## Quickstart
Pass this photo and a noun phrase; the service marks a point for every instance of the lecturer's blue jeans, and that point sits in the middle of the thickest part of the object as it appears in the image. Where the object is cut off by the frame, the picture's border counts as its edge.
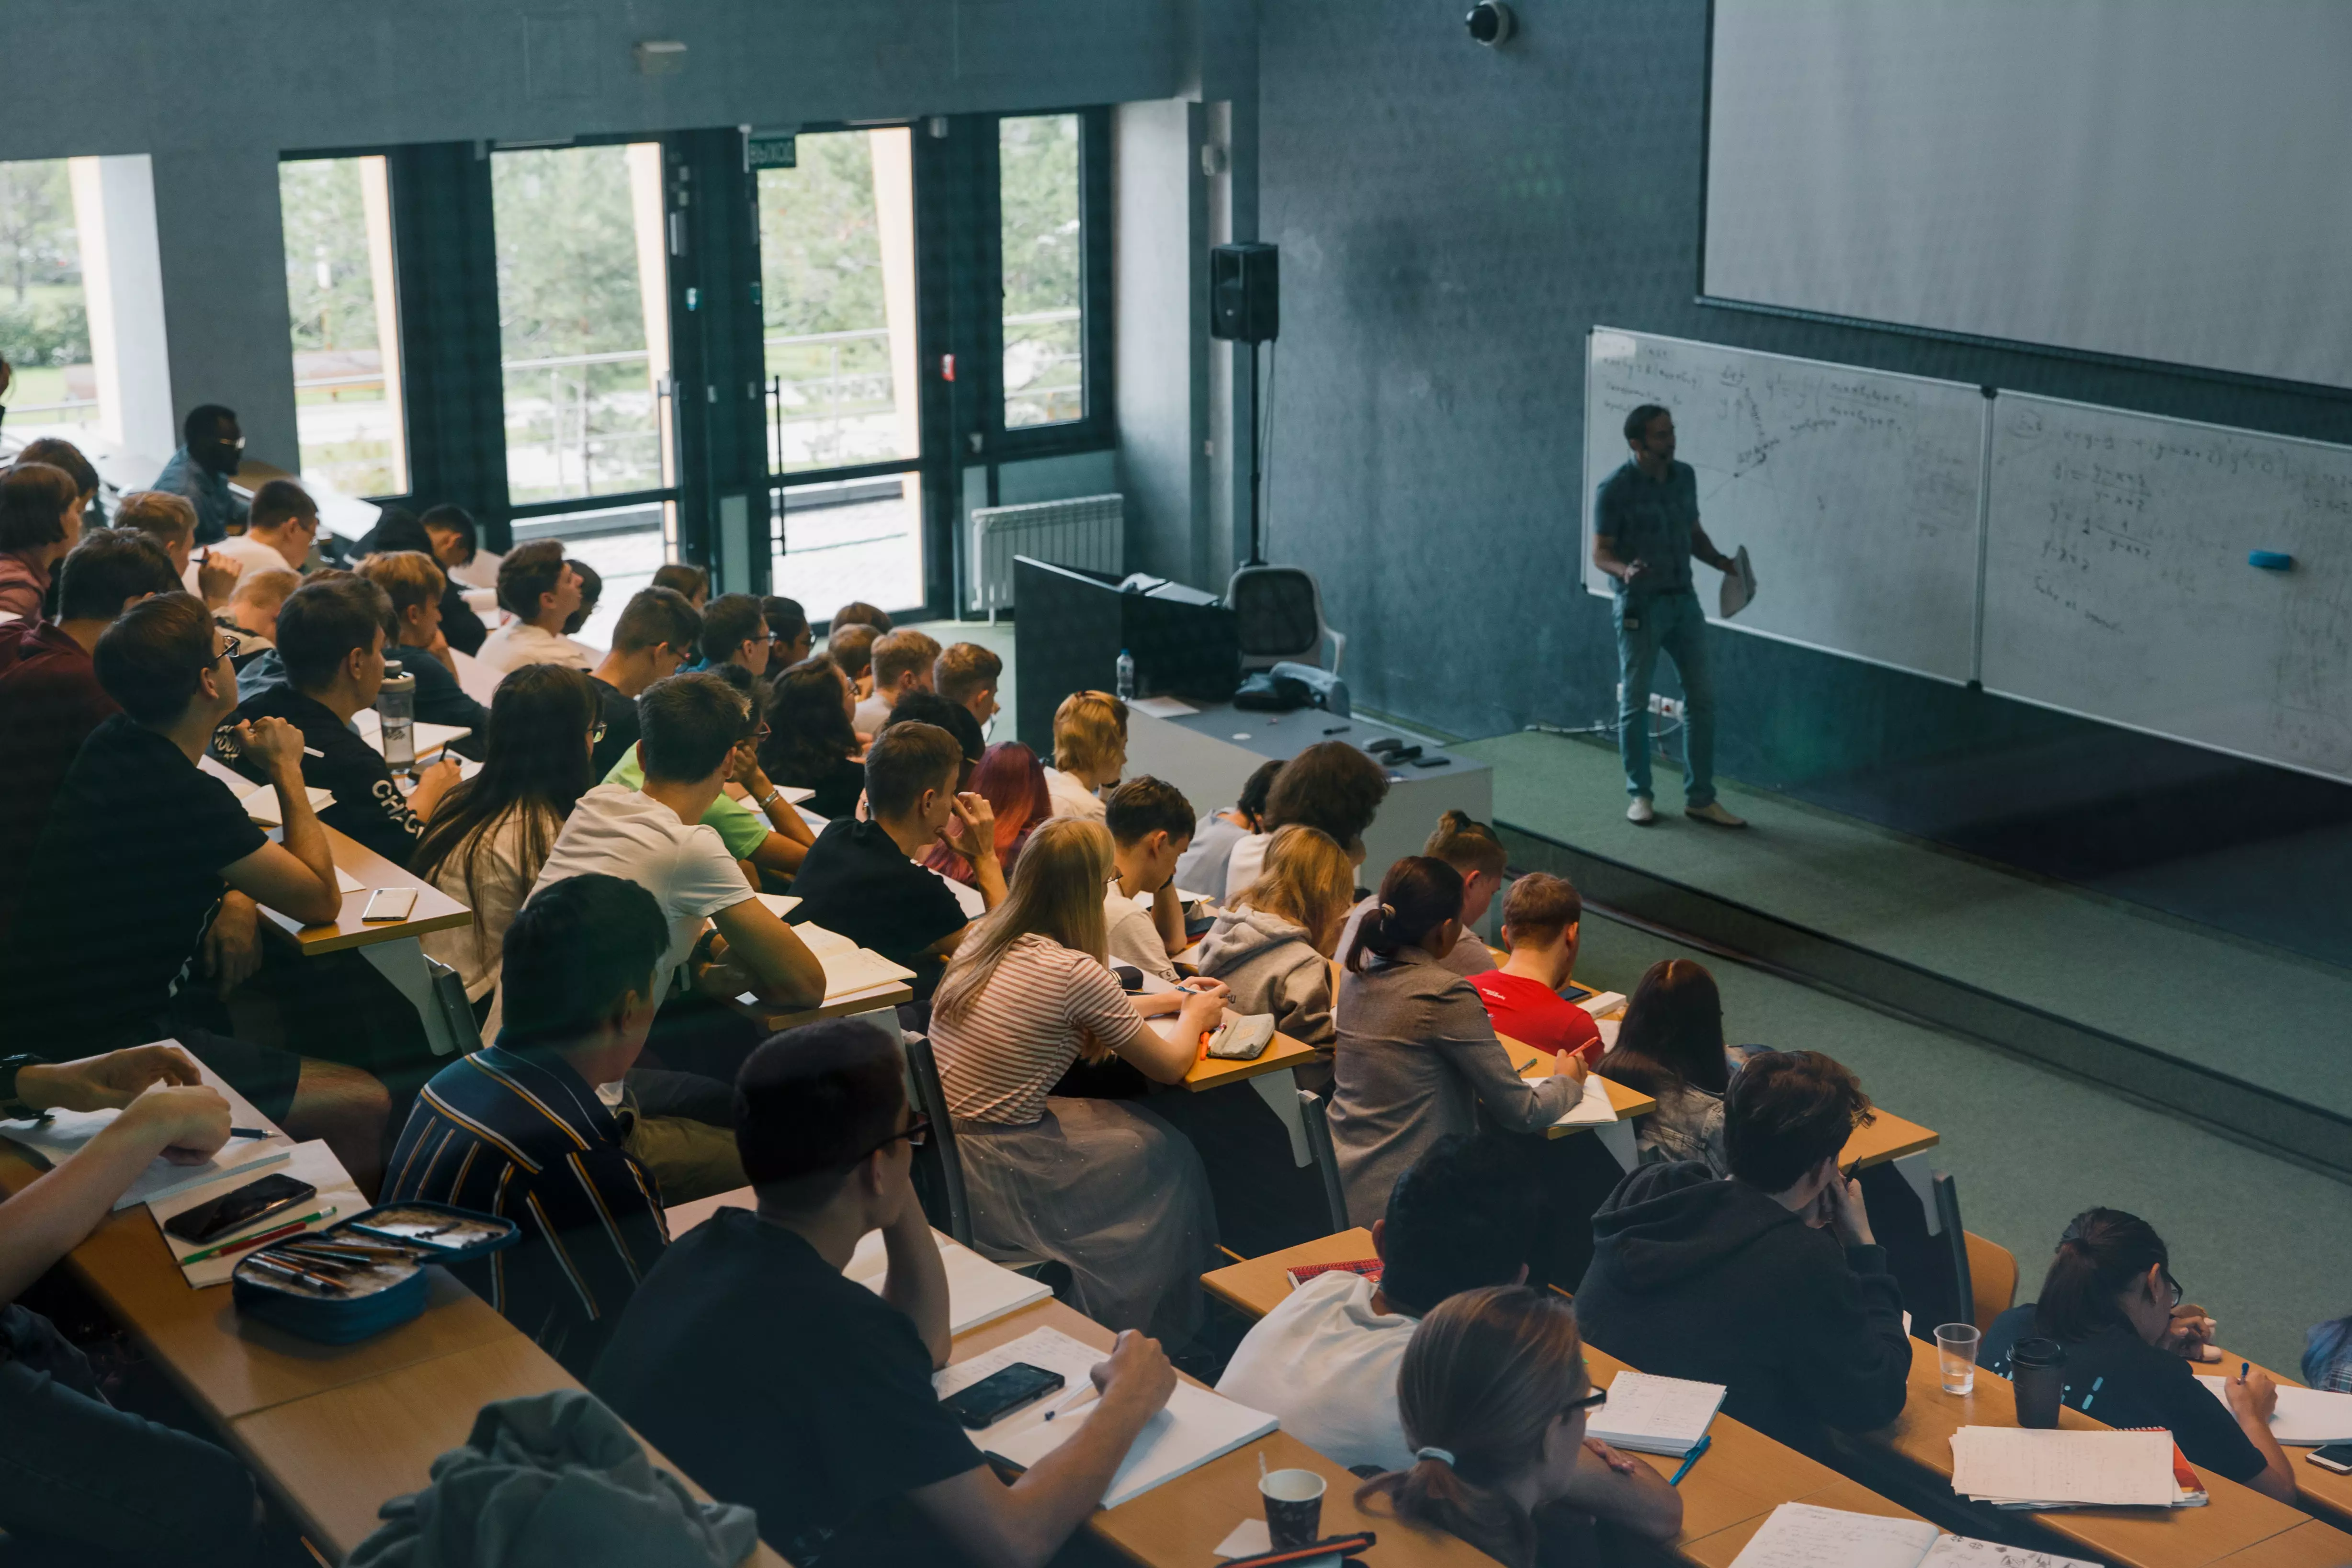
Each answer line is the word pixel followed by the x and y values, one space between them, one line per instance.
pixel 1673 624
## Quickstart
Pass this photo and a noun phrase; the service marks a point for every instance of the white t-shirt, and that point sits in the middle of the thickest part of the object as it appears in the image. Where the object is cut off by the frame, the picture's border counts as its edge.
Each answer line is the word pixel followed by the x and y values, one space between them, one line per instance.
pixel 871 715
pixel 1134 936
pixel 1325 1364
pixel 519 642
pixel 501 880
pixel 243 549
pixel 1248 859
pixel 685 866
pixel 1070 797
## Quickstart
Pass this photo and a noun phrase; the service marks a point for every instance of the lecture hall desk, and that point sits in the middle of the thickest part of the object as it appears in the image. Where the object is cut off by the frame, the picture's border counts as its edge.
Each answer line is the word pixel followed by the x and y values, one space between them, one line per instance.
pixel 2322 1493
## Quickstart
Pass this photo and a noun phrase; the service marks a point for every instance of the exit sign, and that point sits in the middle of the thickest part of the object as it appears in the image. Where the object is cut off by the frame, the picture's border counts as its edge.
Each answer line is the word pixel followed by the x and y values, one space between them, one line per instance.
pixel 775 152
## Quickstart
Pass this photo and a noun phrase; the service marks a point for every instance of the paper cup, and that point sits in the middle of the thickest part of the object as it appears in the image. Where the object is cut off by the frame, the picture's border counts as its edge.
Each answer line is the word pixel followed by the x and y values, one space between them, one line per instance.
pixel 1293 1507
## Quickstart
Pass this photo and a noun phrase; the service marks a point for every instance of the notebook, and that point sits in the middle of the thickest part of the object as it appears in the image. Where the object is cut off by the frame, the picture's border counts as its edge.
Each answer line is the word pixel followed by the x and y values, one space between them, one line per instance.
pixel 779 904
pixel 1370 1267
pixel 1196 1425
pixel 2022 1467
pixel 60 1135
pixel 849 970
pixel 261 804
pixel 978 1292
pixel 1798 1535
pixel 1593 1110
pixel 1656 1414
pixel 2305 1417
pixel 312 1162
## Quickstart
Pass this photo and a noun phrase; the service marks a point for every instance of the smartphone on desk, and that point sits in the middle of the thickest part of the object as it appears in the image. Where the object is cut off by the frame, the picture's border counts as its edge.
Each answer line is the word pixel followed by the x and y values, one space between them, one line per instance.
pixel 1000 1394
pixel 234 1210
pixel 2337 1457
pixel 390 903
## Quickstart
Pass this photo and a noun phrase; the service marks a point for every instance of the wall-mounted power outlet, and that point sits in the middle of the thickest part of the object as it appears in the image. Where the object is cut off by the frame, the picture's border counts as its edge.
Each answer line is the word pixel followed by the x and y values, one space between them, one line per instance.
pixel 1665 708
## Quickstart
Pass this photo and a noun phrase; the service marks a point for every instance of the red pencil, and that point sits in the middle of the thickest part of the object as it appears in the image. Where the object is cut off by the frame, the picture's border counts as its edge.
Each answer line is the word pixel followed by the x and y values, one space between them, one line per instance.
pixel 227 1247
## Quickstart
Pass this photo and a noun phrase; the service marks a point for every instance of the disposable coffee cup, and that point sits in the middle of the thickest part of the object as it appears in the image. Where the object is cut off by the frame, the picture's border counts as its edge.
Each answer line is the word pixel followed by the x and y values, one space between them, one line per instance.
pixel 1293 1507
pixel 2038 1372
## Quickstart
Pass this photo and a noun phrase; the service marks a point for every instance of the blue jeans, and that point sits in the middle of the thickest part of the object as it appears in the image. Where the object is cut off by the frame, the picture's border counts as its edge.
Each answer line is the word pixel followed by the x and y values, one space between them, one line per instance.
pixel 1672 623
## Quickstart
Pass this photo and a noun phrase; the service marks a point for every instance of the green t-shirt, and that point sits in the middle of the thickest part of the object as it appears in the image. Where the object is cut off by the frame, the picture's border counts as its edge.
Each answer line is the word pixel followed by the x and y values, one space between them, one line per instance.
pixel 743 829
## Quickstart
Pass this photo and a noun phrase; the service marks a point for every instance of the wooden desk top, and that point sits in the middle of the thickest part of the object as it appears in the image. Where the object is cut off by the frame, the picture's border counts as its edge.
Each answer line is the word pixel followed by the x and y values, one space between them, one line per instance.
pixel 2323 1493
pixel 1177 1524
pixel 2312 1546
pixel 1258 1285
pixel 1535 1066
pixel 1214 1073
pixel 436 910
pixel 2235 1520
pixel 775 1021
pixel 1888 1137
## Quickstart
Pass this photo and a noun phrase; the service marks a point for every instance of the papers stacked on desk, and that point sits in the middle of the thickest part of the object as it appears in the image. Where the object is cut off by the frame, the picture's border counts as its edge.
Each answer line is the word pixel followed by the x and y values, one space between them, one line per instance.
pixel 1196 1426
pixel 2023 1468
pixel 978 1292
pixel 1798 1535
pixel 849 970
pixel 312 1162
pixel 60 1135
pixel 1649 1415
pixel 2305 1417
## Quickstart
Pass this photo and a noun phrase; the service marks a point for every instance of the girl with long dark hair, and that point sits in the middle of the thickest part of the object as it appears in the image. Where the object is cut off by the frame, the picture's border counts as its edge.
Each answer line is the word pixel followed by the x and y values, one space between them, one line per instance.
pixel 810 744
pixel 1670 1046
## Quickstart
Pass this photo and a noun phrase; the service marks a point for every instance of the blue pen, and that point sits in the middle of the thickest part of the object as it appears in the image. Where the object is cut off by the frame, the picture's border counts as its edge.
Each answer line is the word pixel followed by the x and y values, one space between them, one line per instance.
pixel 1689 1459
pixel 2244 1368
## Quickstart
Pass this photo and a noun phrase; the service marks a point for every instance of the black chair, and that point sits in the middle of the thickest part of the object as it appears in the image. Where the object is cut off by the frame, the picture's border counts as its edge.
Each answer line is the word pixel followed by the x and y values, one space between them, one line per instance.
pixel 1279 615
pixel 939 1178
pixel 1311 1112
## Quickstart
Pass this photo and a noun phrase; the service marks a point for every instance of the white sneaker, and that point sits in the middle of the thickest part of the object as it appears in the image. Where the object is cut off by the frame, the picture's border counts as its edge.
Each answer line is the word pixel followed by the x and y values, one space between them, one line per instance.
pixel 1640 813
pixel 1713 811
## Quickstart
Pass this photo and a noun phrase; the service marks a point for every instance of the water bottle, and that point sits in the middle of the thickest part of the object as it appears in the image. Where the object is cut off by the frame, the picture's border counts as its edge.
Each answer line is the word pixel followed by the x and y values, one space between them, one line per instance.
pixel 1126 676
pixel 396 705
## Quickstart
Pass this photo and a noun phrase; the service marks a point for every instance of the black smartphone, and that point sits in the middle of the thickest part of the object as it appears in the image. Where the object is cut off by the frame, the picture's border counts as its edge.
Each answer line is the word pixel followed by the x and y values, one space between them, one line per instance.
pixel 234 1211
pixel 1001 1393
pixel 1130 978
pixel 2337 1457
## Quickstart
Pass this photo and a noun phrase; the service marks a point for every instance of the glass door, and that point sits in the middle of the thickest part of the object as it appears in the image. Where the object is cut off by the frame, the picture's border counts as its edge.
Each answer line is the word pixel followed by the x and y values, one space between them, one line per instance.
pixel 845 437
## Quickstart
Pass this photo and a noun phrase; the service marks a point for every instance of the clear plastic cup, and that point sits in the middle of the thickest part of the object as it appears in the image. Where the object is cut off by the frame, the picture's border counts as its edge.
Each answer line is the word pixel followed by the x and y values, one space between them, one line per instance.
pixel 1955 1347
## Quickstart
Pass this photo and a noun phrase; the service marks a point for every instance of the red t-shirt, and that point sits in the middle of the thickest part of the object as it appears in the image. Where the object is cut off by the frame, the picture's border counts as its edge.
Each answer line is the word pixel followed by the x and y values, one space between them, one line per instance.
pixel 1529 1012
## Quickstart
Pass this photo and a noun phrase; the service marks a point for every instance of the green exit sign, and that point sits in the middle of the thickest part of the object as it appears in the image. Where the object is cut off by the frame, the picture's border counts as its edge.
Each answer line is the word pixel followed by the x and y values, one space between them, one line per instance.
pixel 775 152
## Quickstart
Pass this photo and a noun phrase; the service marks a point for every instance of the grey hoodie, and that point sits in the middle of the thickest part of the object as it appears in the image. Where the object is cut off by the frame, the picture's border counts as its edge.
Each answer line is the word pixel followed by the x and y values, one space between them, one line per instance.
pixel 1270 967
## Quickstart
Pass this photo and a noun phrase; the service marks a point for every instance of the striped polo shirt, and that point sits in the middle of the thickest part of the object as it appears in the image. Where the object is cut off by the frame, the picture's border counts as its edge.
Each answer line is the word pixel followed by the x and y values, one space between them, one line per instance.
pixel 522 1135
pixel 1000 1058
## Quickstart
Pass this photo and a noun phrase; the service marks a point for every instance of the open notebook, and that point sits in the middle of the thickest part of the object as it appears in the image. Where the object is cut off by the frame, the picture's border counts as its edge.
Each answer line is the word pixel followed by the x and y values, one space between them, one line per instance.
pixel 1798 1535
pixel 1196 1425
pixel 312 1162
pixel 60 1135
pixel 1593 1110
pixel 2305 1417
pixel 978 1292
pixel 848 968
pixel 1651 1414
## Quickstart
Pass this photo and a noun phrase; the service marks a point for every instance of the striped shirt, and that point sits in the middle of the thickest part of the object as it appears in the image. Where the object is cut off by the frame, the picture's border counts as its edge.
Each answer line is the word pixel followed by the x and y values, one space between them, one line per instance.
pixel 524 1135
pixel 1000 1059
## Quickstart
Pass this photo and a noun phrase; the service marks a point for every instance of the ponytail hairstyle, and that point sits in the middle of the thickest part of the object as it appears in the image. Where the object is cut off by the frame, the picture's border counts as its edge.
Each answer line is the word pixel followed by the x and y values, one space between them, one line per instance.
pixel 1486 1374
pixel 1466 844
pixel 1417 896
pixel 1673 1034
pixel 2104 1254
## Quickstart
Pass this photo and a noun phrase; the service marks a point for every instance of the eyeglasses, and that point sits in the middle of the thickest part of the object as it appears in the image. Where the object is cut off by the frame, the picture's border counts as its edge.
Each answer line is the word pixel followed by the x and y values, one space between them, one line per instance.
pixel 596 732
pixel 1597 1397
pixel 917 1132
pixel 229 647
pixel 2174 1286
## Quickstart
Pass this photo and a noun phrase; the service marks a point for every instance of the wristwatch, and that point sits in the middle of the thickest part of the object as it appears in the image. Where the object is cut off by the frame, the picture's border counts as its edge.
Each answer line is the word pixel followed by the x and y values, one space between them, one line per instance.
pixel 12 1108
pixel 775 793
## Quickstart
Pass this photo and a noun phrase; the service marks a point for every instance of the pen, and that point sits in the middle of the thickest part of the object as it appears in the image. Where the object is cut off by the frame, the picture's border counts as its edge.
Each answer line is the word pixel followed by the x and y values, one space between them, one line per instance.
pixel 251 1132
pixel 288 1229
pixel 2244 1368
pixel 314 751
pixel 1689 1459
pixel 1071 1400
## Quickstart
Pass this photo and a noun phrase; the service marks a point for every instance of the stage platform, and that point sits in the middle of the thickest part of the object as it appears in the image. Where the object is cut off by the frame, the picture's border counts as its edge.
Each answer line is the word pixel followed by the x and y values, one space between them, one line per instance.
pixel 2247 1039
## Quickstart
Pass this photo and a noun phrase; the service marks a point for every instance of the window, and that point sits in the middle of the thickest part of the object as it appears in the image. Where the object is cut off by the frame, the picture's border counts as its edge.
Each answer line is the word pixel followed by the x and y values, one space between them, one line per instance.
pixel 44 319
pixel 344 315
pixel 1043 258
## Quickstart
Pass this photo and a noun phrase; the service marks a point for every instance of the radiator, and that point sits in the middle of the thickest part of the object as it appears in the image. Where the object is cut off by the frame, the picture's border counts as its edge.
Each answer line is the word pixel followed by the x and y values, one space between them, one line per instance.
pixel 1090 532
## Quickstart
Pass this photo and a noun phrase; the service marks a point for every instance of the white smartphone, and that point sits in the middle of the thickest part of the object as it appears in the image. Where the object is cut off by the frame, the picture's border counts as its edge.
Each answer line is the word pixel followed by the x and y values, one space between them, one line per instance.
pixel 2337 1457
pixel 390 904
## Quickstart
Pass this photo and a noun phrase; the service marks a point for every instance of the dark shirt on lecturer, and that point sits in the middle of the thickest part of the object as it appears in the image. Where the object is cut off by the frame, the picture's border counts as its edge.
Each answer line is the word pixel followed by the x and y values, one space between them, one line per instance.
pixel 1650 520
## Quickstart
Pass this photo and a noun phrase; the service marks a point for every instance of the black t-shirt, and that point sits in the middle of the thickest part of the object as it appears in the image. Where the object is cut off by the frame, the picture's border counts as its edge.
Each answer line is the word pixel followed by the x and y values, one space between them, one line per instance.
pixel 2137 1385
pixel 620 715
pixel 460 627
pixel 838 783
pixel 124 879
pixel 368 806
pixel 774 1382
pixel 857 882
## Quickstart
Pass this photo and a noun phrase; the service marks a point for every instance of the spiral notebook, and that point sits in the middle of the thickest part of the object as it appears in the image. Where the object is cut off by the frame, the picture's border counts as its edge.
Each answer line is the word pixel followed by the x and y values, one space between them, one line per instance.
pixel 1656 1415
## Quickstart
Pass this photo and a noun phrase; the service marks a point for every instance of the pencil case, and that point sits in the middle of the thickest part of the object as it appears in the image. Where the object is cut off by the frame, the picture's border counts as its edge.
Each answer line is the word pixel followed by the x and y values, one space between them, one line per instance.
pixel 355 1279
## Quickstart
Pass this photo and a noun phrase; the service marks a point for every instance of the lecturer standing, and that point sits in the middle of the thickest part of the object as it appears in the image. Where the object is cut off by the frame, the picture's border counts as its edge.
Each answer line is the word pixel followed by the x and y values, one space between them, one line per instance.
pixel 1645 531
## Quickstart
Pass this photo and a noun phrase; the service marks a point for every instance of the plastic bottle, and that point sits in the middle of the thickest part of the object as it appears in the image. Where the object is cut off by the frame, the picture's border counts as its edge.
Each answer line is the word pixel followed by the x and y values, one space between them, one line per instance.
pixel 1126 676
pixel 396 705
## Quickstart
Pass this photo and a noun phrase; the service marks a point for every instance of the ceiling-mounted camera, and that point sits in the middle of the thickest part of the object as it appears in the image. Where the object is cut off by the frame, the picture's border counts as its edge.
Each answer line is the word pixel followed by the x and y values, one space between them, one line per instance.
pixel 1491 23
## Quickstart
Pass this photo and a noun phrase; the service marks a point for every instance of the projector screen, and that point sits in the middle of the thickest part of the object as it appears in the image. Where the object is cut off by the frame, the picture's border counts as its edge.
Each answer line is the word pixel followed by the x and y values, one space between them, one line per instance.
pixel 2160 178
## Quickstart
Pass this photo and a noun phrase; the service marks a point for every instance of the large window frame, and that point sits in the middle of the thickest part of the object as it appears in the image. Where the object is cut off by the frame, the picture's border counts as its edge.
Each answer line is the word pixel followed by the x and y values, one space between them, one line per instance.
pixel 1097 428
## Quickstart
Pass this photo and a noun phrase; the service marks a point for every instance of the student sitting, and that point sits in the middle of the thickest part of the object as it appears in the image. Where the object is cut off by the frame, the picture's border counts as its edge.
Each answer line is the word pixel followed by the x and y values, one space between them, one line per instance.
pixel 517 1127
pixel 930 707
pixel 540 591
pixel 1150 825
pixel 652 641
pixel 50 698
pixel 852 647
pixel 1494 1391
pixel 1541 919
pixel 1769 1282
pixel 734 633
pixel 279 533
pixel 1471 848
pixel 493 832
pixel 1671 1047
pixel 1203 867
pixel 416 587
pixel 171 521
pixel 902 663
pixel 759 826
pixel 810 744
pixel 133 864
pixel 1273 949
pixel 212 449
pixel 857 612
pixel 860 878
pixel 88 1482
pixel 2111 1300
pixel 1103 1184
pixel 749 1360
pixel 790 636
pixel 966 674
pixel 2327 1356
pixel 330 637
pixel 1331 786
pixel 693 726
pixel 690 583
pixel 59 453
pixel 452 539
pixel 592 589
pixel 1090 752
pixel 40 522
pixel 1416 1052
pixel 251 613
pixel 1012 782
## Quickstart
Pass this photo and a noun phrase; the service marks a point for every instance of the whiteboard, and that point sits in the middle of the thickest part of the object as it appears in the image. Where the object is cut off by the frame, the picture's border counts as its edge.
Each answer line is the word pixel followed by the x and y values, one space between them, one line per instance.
pixel 1858 493
pixel 2116 584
